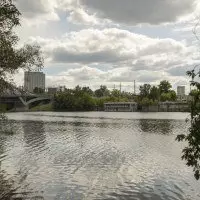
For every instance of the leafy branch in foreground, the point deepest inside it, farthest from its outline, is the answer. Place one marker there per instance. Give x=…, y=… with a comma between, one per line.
x=191, y=153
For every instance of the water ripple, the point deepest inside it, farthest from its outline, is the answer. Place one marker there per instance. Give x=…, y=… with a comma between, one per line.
x=95, y=156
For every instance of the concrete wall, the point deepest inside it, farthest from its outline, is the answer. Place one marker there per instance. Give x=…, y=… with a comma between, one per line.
x=167, y=108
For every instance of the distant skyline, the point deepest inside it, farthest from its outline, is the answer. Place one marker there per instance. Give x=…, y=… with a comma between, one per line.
x=94, y=42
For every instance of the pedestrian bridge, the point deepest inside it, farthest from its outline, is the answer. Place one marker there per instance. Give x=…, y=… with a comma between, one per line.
x=21, y=99
x=40, y=98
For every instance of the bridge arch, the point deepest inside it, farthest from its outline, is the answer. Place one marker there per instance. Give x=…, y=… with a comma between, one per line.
x=27, y=103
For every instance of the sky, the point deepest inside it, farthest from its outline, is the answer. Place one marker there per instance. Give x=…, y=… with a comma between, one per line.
x=105, y=42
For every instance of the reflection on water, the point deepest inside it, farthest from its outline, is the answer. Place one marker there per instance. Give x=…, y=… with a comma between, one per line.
x=77, y=156
x=156, y=126
x=34, y=133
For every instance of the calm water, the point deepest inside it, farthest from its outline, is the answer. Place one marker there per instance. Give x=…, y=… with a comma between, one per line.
x=95, y=156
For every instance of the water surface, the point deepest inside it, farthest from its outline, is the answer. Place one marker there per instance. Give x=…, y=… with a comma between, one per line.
x=95, y=155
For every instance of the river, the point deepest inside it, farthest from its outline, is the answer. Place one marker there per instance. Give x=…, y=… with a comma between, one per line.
x=95, y=155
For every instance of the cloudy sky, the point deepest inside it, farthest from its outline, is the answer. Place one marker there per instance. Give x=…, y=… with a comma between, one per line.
x=94, y=42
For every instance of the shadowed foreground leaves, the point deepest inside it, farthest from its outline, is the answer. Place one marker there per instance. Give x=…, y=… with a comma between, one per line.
x=191, y=153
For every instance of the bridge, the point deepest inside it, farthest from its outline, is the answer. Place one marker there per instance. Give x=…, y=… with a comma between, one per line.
x=18, y=100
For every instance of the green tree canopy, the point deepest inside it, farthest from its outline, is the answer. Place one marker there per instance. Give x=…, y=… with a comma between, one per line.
x=169, y=96
x=145, y=90
x=38, y=90
x=115, y=93
x=154, y=93
x=164, y=86
x=74, y=100
x=102, y=91
x=88, y=91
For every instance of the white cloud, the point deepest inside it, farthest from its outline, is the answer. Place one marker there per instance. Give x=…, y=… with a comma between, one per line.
x=134, y=12
x=132, y=57
x=38, y=11
x=117, y=48
x=95, y=12
x=109, y=55
x=80, y=16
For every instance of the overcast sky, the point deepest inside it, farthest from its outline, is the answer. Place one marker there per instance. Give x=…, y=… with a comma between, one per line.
x=94, y=42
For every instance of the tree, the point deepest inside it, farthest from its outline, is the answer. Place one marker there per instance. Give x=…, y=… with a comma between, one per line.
x=116, y=93
x=13, y=58
x=164, y=86
x=165, y=97
x=169, y=96
x=173, y=95
x=38, y=90
x=145, y=90
x=74, y=100
x=154, y=93
x=146, y=102
x=102, y=91
x=88, y=91
x=191, y=153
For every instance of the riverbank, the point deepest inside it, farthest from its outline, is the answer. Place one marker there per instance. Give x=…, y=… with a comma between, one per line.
x=111, y=107
x=44, y=108
x=151, y=108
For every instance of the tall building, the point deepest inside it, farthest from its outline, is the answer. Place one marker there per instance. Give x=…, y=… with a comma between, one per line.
x=34, y=80
x=181, y=90
x=181, y=94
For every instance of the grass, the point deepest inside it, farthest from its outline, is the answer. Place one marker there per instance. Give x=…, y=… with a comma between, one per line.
x=46, y=107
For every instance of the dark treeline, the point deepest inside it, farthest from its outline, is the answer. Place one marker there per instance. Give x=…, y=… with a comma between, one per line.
x=85, y=99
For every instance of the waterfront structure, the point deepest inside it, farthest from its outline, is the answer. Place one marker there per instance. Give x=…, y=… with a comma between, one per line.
x=120, y=107
x=174, y=106
x=34, y=80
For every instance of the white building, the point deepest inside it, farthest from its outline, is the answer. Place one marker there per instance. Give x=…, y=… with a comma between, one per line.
x=181, y=90
x=181, y=96
x=34, y=80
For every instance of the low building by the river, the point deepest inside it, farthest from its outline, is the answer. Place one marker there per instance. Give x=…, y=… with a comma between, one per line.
x=133, y=107
x=120, y=107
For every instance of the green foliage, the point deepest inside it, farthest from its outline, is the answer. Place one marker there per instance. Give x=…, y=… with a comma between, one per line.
x=83, y=99
x=146, y=102
x=102, y=91
x=154, y=93
x=38, y=90
x=46, y=107
x=74, y=100
x=164, y=86
x=173, y=95
x=191, y=153
x=88, y=91
x=3, y=108
x=145, y=90
x=115, y=93
x=169, y=96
